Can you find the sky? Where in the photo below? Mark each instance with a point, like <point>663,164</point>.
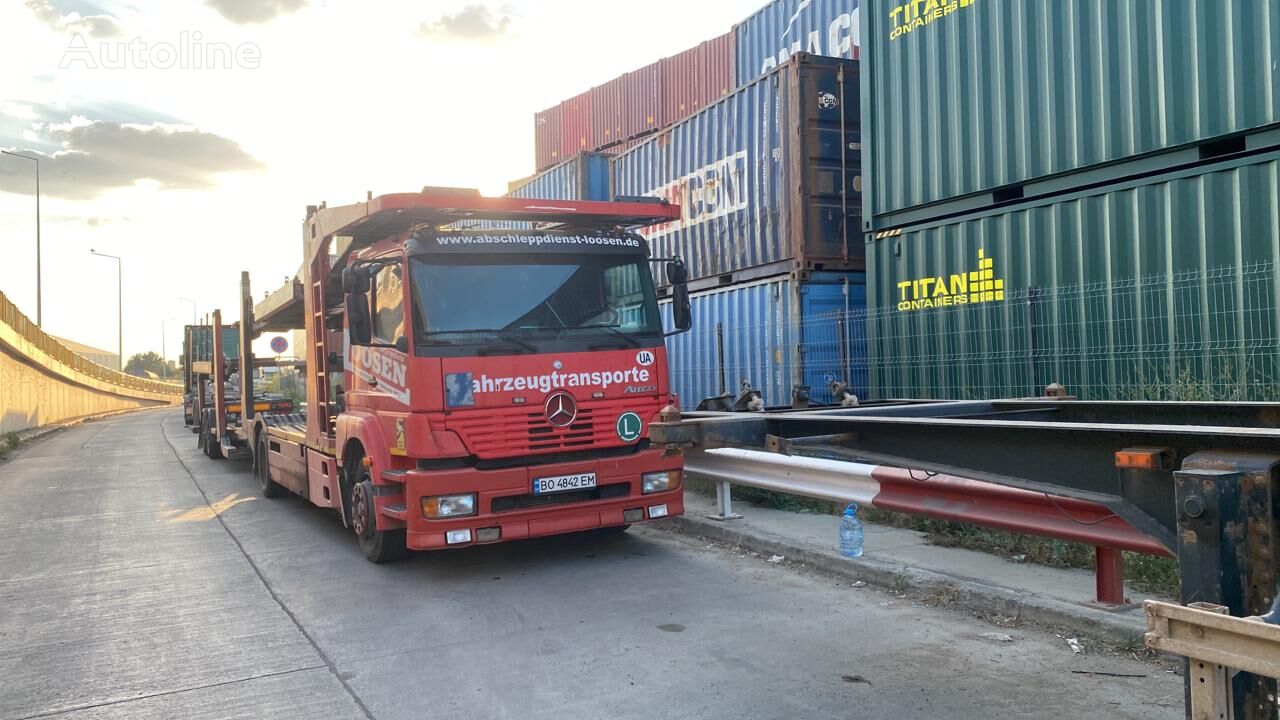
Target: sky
<point>188,136</point>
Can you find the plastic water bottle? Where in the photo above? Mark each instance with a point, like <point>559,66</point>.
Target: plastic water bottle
<point>851,533</point>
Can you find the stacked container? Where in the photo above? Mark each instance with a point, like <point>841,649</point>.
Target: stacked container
<point>768,181</point>
<point>1090,199</point>
<point>787,27</point>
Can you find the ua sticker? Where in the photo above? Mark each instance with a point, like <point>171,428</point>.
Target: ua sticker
<point>645,358</point>
<point>629,427</point>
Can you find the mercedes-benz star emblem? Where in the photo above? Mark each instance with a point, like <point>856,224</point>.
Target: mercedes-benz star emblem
<point>561,409</point>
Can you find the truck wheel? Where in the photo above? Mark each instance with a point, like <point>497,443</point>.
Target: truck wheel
<point>270,488</point>
<point>211,446</point>
<point>200,440</point>
<point>378,546</point>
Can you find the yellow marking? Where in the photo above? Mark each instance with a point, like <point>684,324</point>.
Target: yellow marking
<point>963,288</point>
<point>207,512</point>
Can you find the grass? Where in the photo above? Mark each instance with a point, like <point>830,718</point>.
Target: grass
<point>1145,573</point>
<point>11,442</point>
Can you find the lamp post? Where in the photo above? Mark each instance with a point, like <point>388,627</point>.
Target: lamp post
<point>164,354</point>
<point>39,305</point>
<point>193,308</point>
<point>119,306</point>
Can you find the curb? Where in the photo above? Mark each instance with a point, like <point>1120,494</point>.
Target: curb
<point>1123,628</point>
<point>33,435</point>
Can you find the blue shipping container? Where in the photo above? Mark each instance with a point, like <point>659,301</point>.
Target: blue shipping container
<point>774,334</point>
<point>786,27</point>
<point>769,176</point>
<point>585,177</point>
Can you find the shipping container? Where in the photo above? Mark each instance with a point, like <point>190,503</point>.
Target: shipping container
<point>982,97</point>
<point>575,125</point>
<point>774,334</point>
<point>607,102</point>
<point>641,108</point>
<point>546,138</point>
<point>767,178</point>
<point>715,68</point>
<point>1163,288</point>
<point>585,177</point>
<point>786,27</point>
<point>678,85</point>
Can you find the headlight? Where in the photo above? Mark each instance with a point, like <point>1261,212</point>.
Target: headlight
<point>660,481</point>
<point>447,506</point>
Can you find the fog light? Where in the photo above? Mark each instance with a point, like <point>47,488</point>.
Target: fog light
<point>449,506</point>
<point>657,511</point>
<point>659,481</point>
<point>632,515</point>
<point>456,537</point>
<point>492,534</point>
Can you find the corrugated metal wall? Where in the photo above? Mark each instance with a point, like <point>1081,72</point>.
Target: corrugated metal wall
<point>642,113</point>
<point>977,95</point>
<point>753,190</point>
<point>585,177</point>
<point>775,334</point>
<point>786,27</point>
<point>679,85</point>
<point>1159,289</point>
<point>716,60</point>
<point>546,138</point>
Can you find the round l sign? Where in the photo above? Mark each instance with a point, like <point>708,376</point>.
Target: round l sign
<point>629,427</point>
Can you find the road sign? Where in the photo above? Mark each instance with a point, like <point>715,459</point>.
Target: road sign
<point>279,345</point>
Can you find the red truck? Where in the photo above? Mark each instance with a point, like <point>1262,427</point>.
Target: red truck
<point>477,370</point>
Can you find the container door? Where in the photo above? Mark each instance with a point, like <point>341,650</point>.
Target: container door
<point>833,335</point>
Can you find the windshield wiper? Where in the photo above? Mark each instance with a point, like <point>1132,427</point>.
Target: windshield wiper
<point>625,337</point>
<point>501,334</point>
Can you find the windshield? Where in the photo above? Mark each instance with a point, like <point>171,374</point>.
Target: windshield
<point>477,298</point>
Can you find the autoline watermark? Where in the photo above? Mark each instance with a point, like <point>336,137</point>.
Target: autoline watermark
<point>190,52</point>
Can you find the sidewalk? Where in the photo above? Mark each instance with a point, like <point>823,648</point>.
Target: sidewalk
<point>901,560</point>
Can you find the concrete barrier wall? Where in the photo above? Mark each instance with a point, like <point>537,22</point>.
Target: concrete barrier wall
<point>42,382</point>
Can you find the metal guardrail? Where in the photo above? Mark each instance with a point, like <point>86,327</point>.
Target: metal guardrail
<point>45,343</point>
<point>942,497</point>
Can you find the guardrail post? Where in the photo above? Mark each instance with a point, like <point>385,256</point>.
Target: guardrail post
<point>1109,576</point>
<point>724,503</point>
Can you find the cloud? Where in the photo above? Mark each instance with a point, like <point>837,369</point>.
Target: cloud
<point>471,23</point>
<point>244,12</point>
<point>97,26</point>
<point>97,156</point>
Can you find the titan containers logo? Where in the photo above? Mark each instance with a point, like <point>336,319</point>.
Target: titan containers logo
<point>707,193</point>
<point>971,288</point>
<point>911,16</point>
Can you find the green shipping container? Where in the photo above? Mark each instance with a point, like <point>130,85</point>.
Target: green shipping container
<point>969,97</point>
<point>1164,288</point>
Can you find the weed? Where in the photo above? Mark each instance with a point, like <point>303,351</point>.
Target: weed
<point>11,440</point>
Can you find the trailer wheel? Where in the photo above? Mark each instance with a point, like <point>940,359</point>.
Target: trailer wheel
<point>378,546</point>
<point>212,447</point>
<point>270,488</point>
<point>199,431</point>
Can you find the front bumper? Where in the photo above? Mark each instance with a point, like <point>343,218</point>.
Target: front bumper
<point>505,500</point>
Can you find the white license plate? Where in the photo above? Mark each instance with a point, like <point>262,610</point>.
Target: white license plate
<point>561,483</point>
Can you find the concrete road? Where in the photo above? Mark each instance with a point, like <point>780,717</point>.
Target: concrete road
<point>139,579</point>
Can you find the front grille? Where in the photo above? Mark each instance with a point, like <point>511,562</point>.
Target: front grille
<point>524,430</point>
<point>508,503</point>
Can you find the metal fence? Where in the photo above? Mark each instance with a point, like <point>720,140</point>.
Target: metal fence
<point>30,332</point>
<point>1199,335</point>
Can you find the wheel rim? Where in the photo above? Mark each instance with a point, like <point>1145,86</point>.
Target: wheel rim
<point>360,510</point>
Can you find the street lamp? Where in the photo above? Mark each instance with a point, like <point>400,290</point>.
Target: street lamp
<point>119,306</point>
<point>164,355</point>
<point>193,308</point>
<point>39,308</point>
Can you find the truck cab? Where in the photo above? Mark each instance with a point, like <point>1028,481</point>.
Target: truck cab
<point>487,370</point>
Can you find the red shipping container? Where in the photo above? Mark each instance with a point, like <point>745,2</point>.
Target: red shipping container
<point>575,125</point>
<point>678,86</point>
<point>546,138</point>
<point>715,68</point>
<point>606,113</point>
<point>641,111</point>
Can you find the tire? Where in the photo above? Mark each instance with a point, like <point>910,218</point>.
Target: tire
<point>212,447</point>
<point>378,546</point>
<point>200,438</point>
<point>270,488</point>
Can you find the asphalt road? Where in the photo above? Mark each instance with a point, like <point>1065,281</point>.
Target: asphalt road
<point>139,579</point>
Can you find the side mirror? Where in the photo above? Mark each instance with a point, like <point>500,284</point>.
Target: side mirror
<point>359,327</point>
<point>678,276</point>
<point>354,280</point>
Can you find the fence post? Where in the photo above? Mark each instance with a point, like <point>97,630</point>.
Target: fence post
<point>1109,576</point>
<point>724,502</point>
<point>720,356</point>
